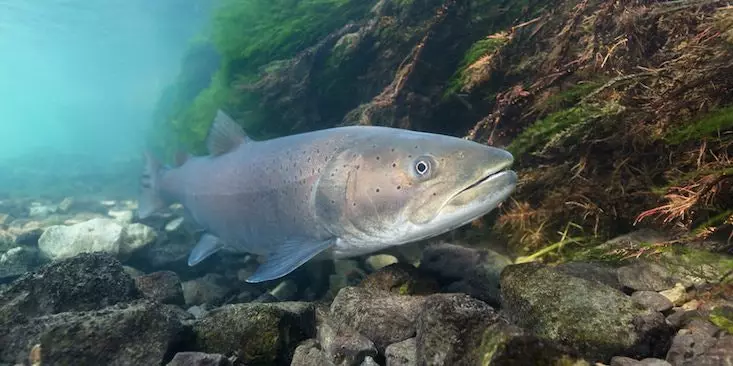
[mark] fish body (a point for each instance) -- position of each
(344, 191)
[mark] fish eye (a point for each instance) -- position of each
(422, 167)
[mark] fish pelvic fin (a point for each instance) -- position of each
(208, 244)
(150, 200)
(224, 135)
(287, 257)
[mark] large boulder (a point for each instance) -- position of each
(141, 333)
(257, 333)
(597, 320)
(86, 282)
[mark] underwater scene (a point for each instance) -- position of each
(366, 182)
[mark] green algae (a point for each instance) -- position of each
(709, 125)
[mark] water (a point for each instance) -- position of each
(80, 79)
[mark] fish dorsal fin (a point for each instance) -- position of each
(224, 135)
(287, 257)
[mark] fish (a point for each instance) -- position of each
(337, 193)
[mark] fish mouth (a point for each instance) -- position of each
(492, 175)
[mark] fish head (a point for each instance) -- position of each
(405, 186)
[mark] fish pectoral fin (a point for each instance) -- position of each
(224, 135)
(207, 245)
(287, 257)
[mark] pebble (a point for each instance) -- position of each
(677, 295)
(379, 261)
(652, 300)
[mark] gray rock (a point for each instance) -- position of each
(346, 273)
(133, 272)
(141, 333)
(626, 361)
(721, 353)
(507, 345)
(86, 282)
(680, 317)
(402, 353)
(40, 210)
(198, 359)
(687, 345)
(594, 271)
(645, 276)
(66, 204)
(309, 353)
(572, 311)
(17, 261)
(28, 237)
(137, 236)
(5, 218)
(381, 316)
(369, 361)
(450, 329)
(164, 287)
(401, 278)
(197, 311)
(210, 289)
(468, 270)
(258, 333)
(652, 300)
(379, 261)
(7, 240)
(341, 344)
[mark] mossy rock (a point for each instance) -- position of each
(506, 344)
(401, 278)
(698, 266)
(723, 318)
(258, 334)
(596, 320)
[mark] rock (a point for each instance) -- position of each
(341, 344)
(123, 216)
(694, 267)
(677, 295)
(133, 272)
(7, 241)
(626, 361)
(381, 316)
(369, 361)
(141, 333)
(65, 204)
(507, 345)
(467, 270)
(210, 289)
(572, 310)
(721, 353)
(164, 287)
(691, 305)
(174, 225)
(401, 278)
(450, 329)
(257, 333)
(29, 237)
(687, 345)
(86, 282)
(645, 276)
(137, 236)
(594, 271)
(379, 261)
(309, 353)
(346, 273)
(197, 311)
(284, 291)
(722, 316)
(679, 317)
(17, 261)
(97, 235)
(5, 218)
(652, 300)
(40, 210)
(198, 359)
(402, 353)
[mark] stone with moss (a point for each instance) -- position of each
(506, 344)
(258, 334)
(401, 278)
(598, 321)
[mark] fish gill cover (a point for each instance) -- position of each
(619, 113)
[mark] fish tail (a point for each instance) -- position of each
(150, 200)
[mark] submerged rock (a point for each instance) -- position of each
(402, 353)
(86, 282)
(381, 316)
(141, 333)
(401, 278)
(450, 329)
(309, 353)
(599, 321)
(645, 276)
(340, 344)
(210, 289)
(96, 235)
(17, 261)
(163, 286)
(259, 334)
(507, 345)
(652, 300)
(198, 359)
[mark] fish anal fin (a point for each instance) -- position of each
(208, 244)
(287, 257)
(224, 135)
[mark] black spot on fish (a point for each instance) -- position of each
(409, 156)
(399, 187)
(354, 204)
(394, 165)
(377, 190)
(377, 157)
(392, 149)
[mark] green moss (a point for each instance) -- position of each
(723, 318)
(559, 126)
(709, 125)
(480, 48)
(404, 289)
(572, 95)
